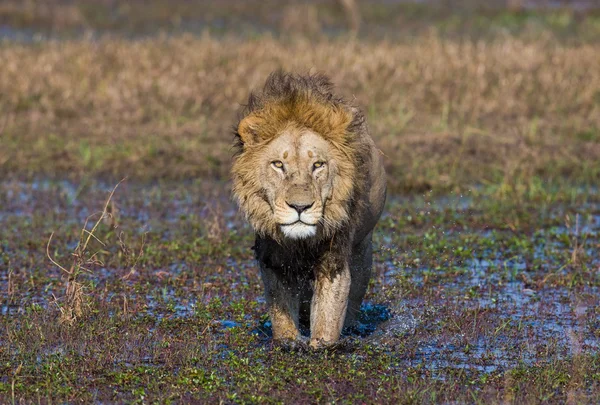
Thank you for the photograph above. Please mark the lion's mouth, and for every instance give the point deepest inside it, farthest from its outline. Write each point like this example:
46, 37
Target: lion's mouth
299, 222
299, 230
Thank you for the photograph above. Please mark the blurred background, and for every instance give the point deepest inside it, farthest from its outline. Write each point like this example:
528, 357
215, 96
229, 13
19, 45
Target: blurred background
457, 92
27, 19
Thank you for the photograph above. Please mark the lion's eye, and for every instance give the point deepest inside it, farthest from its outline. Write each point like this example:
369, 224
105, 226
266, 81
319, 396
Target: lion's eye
316, 165
278, 164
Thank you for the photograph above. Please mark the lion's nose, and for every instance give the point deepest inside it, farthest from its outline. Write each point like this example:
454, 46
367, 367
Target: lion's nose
300, 207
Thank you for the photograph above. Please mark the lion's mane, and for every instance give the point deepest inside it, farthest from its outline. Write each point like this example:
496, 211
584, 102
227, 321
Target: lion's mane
305, 102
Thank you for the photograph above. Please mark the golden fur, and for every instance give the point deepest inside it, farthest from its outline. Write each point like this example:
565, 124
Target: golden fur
295, 101
305, 154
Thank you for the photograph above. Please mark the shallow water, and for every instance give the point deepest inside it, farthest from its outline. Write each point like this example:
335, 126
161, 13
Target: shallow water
510, 300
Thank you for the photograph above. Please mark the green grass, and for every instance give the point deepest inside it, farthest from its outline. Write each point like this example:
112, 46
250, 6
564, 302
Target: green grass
486, 266
491, 300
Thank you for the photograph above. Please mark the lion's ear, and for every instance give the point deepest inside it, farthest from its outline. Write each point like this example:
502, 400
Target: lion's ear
247, 130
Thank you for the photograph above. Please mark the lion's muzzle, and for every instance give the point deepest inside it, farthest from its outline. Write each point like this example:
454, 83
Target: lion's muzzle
301, 212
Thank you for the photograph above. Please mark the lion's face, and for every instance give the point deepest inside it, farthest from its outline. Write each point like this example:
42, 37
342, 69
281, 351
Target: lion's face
294, 174
298, 173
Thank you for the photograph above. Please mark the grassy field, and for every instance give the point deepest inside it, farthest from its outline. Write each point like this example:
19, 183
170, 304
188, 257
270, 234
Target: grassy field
447, 114
473, 300
486, 283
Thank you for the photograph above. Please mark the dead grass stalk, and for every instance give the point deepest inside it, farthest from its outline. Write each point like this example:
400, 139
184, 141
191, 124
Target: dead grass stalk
74, 305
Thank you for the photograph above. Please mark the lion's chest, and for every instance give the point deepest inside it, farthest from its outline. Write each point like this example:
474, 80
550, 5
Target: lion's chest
298, 261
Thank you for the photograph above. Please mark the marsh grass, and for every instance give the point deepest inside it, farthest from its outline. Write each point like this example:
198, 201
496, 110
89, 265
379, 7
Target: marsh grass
513, 114
74, 305
502, 311
486, 256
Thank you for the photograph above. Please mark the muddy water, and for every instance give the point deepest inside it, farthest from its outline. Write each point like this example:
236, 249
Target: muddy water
508, 302
504, 307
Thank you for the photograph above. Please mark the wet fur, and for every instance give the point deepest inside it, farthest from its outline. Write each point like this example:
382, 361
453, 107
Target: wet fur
313, 276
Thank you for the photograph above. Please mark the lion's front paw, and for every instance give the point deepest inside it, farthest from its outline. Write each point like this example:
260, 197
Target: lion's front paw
341, 344
293, 345
321, 343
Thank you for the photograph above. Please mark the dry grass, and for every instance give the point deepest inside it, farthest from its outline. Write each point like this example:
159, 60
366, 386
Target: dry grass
74, 304
445, 113
503, 290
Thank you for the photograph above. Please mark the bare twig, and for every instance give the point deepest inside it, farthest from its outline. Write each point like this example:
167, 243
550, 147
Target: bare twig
74, 301
104, 213
50, 257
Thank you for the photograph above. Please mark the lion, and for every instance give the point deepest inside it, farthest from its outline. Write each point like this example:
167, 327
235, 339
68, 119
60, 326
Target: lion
311, 182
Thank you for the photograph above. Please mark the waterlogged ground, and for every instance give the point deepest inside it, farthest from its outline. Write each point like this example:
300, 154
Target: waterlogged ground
479, 297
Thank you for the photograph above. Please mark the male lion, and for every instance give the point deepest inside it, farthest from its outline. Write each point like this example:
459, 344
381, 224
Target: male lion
311, 182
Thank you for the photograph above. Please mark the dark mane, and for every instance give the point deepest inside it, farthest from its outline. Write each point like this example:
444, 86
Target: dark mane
282, 86
292, 90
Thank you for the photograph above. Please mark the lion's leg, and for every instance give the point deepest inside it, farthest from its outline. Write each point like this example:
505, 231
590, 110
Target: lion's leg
328, 306
284, 305
361, 264
305, 302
